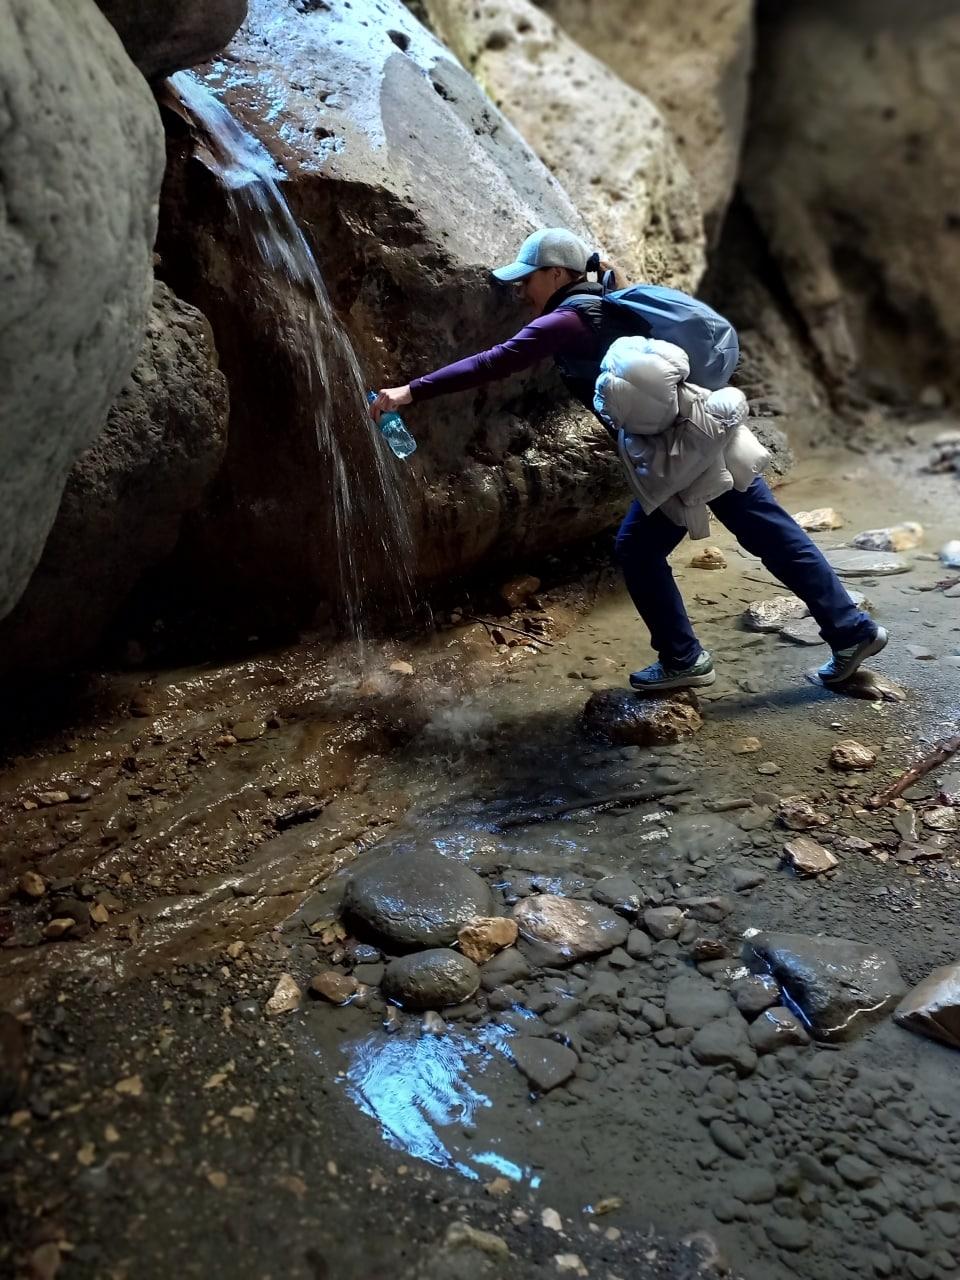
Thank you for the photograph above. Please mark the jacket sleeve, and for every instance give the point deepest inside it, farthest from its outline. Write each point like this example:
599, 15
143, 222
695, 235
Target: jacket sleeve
559, 333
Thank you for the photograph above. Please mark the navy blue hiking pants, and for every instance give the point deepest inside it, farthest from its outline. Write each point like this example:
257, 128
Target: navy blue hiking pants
763, 528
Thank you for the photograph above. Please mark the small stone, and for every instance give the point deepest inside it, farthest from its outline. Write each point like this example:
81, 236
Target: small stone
130, 1086
727, 1139
769, 769
856, 1172
518, 590
932, 1008
950, 554
99, 914
753, 1186
941, 818
772, 615
432, 1024
333, 986
898, 537
807, 857
545, 1063
49, 798
58, 927
746, 746
797, 813
620, 893
570, 1264
754, 994
920, 653
806, 631
775, 1029
32, 885
723, 1041
248, 730
820, 520
400, 668
639, 946
710, 909
552, 1220
869, 685
462, 1236
792, 1234
746, 878
707, 950
709, 558
481, 939
692, 1001
663, 922
903, 1233
433, 979
567, 929
850, 755
627, 719
866, 564
286, 997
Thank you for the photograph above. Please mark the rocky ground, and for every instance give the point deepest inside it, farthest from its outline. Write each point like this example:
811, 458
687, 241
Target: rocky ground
195, 868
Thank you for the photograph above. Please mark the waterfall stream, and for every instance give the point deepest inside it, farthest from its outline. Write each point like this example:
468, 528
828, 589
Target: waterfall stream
365, 491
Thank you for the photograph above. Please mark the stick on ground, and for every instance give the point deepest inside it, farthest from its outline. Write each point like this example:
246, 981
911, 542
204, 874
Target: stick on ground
939, 755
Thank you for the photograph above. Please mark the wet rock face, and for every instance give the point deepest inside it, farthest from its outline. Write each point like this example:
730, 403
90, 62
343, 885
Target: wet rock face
79, 226
606, 142
125, 496
621, 717
700, 84
839, 987
415, 899
562, 930
431, 979
411, 185
162, 36
859, 205
933, 1007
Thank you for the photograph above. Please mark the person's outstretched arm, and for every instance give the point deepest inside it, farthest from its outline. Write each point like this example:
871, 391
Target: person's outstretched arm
559, 333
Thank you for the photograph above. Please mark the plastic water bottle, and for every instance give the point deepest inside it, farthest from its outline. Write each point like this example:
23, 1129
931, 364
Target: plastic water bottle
394, 431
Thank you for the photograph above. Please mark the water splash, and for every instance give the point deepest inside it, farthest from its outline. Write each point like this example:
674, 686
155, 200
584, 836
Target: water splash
377, 527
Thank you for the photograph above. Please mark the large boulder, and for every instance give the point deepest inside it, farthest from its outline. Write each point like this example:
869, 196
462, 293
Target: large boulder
850, 168
81, 158
605, 141
165, 35
693, 59
125, 496
409, 185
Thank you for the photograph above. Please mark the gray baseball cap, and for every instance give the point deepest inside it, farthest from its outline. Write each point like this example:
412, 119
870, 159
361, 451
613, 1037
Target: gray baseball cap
552, 247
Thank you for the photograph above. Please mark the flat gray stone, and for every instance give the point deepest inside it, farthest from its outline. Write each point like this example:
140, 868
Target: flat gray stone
663, 922
866, 564
776, 1028
545, 1063
563, 930
416, 898
639, 946
792, 1234
805, 631
692, 1001
838, 987
431, 979
508, 967
620, 893
773, 614
724, 1041
933, 1007
753, 1186
903, 1233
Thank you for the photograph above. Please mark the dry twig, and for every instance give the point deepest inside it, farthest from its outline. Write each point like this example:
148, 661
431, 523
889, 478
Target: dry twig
939, 755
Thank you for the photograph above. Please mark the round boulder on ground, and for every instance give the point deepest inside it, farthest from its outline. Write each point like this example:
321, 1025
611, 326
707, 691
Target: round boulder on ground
417, 898
431, 979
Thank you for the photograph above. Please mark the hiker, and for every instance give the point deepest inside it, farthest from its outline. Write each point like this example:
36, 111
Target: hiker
576, 326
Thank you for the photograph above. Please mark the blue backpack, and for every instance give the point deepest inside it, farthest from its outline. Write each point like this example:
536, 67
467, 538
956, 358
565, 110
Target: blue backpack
709, 340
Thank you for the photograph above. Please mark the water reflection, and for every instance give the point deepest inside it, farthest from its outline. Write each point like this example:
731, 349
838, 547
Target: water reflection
416, 1086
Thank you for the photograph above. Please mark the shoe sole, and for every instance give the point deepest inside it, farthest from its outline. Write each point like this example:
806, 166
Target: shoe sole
868, 650
681, 682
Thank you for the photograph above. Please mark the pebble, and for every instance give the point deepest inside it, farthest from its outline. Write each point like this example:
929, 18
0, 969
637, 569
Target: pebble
481, 939
807, 857
792, 1234
545, 1063
753, 1186
866, 564
850, 755
727, 1139
903, 1233
746, 746
639, 946
32, 885
950, 554
335, 987
768, 770
820, 520
898, 537
663, 922
721, 1042
286, 997
708, 558
754, 994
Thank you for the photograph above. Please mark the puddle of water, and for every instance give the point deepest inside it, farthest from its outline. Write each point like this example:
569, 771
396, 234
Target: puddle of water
424, 1090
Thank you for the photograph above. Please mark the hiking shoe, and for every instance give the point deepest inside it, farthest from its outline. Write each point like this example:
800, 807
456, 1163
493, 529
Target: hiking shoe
846, 661
657, 677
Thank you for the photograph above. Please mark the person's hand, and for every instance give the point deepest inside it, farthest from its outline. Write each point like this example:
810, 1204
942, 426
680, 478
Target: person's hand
389, 400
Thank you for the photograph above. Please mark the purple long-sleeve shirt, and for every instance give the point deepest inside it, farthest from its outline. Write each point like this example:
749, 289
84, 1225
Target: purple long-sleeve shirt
558, 333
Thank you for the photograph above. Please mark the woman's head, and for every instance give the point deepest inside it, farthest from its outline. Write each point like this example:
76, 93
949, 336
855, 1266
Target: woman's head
545, 262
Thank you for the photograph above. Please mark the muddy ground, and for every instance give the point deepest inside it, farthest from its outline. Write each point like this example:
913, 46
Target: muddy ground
197, 826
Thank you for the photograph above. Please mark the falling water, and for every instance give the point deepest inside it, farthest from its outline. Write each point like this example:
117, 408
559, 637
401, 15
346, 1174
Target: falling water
332, 381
